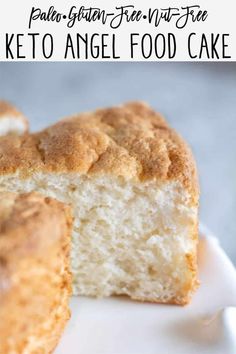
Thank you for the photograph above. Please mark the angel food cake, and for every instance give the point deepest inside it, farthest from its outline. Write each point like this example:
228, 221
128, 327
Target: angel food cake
132, 183
11, 120
35, 282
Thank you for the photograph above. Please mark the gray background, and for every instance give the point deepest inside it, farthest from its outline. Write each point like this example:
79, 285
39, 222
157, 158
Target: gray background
198, 99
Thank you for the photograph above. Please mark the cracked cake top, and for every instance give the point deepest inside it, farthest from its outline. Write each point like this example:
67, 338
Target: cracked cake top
131, 141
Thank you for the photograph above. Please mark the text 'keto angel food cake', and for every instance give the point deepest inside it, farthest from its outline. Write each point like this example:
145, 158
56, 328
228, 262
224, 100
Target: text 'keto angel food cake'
35, 282
132, 183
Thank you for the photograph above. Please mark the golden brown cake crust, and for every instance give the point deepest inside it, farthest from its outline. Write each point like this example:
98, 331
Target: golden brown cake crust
35, 281
131, 141
26, 220
8, 110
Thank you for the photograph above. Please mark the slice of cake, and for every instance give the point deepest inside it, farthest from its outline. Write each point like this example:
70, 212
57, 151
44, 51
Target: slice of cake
11, 120
132, 183
34, 276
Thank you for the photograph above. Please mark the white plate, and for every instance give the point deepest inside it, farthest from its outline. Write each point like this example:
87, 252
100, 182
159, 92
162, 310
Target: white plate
120, 326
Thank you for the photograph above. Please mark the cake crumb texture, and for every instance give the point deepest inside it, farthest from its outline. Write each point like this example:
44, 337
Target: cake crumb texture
132, 183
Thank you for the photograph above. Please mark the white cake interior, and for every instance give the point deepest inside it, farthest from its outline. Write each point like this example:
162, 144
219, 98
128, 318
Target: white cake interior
10, 124
129, 237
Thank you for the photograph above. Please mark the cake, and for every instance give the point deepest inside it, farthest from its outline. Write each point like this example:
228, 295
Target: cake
132, 183
35, 282
11, 120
